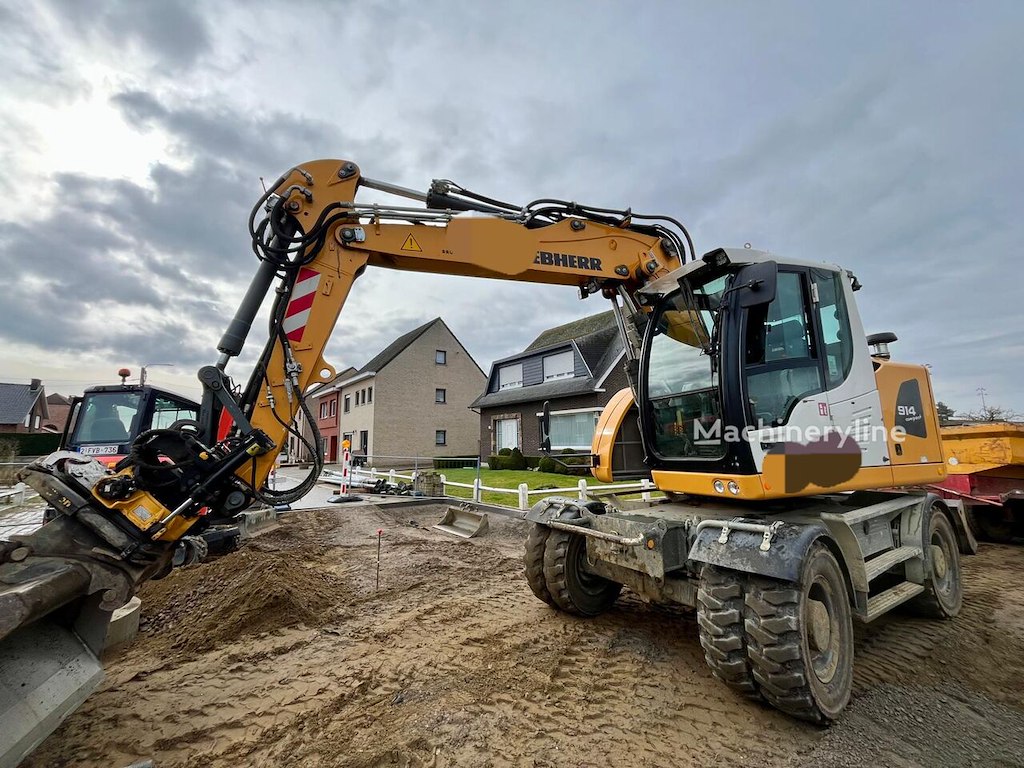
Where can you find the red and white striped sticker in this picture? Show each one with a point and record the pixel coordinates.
(297, 314)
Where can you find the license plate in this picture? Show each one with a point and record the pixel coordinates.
(98, 450)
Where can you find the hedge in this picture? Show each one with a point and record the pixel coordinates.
(453, 462)
(33, 443)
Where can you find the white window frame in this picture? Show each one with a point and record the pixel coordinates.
(557, 362)
(571, 412)
(514, 378)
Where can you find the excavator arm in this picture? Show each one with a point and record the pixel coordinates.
(614, 257)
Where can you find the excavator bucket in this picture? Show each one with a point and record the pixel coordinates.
(463, 522)
(47, 669)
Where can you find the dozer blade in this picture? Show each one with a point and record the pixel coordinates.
(462, 522)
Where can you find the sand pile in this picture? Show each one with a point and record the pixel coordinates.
(244, 593)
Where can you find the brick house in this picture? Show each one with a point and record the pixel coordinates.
(23, 408)
(576, 367)
(323, 403)
(411, 399)
(59, 408)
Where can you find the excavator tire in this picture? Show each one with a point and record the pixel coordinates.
(533, 561)
(943, 590)
(573, 589)
(720, 610)
(800, 639)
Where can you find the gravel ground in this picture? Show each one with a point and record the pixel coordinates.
(286, 653)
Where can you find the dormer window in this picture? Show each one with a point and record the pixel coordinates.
(559, 366)
(510, 376)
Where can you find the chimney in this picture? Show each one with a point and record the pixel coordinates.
(36, 384)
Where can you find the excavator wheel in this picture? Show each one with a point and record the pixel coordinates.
(533, 561)
(944, 591)
(720, 610)
(572, 587)
(800, 639)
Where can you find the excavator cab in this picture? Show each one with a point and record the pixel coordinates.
(756, 382)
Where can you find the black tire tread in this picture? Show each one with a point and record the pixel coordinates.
(720, 628)
(533, 561)
(774, 647)
(927, 604)
(556, 578)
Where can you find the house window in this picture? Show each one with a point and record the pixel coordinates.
(506, 433)
(364, 440)
(560, 366)
(573, 430)
(440, 437)
(510, 376)
(369, 394)
(348, 403)
(323, 410)
(441, 357)
(35, 424)
(28, 420)
(440, 396)
(334, 407)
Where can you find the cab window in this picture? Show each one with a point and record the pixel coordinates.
(167, 411)
(837, 344)
(782, 365)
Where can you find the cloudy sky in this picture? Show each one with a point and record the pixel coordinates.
(883, 136)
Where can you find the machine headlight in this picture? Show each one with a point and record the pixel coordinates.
(734, 488)
(719, 486)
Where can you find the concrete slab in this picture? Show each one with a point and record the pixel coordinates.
(124, 624)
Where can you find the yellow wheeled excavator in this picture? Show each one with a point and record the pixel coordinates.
(763, 415)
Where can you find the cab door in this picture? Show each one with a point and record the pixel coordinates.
(783, 372)
(854, 406)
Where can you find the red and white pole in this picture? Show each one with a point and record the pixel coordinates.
(346, 469)
(346, 474)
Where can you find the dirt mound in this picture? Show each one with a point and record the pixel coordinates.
(242, 594)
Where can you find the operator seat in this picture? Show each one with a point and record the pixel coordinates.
(109, 430)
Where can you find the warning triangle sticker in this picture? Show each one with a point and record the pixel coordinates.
(410, 244)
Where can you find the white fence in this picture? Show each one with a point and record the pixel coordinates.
(17, 495)
(521, 495)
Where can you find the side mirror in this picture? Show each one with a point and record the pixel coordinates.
(545, 428)
(756, 284)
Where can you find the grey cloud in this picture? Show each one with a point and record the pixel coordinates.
(172, 32)
(886, 140)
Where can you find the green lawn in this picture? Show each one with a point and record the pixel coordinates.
(505, 478)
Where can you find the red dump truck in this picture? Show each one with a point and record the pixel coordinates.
(985, 464)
